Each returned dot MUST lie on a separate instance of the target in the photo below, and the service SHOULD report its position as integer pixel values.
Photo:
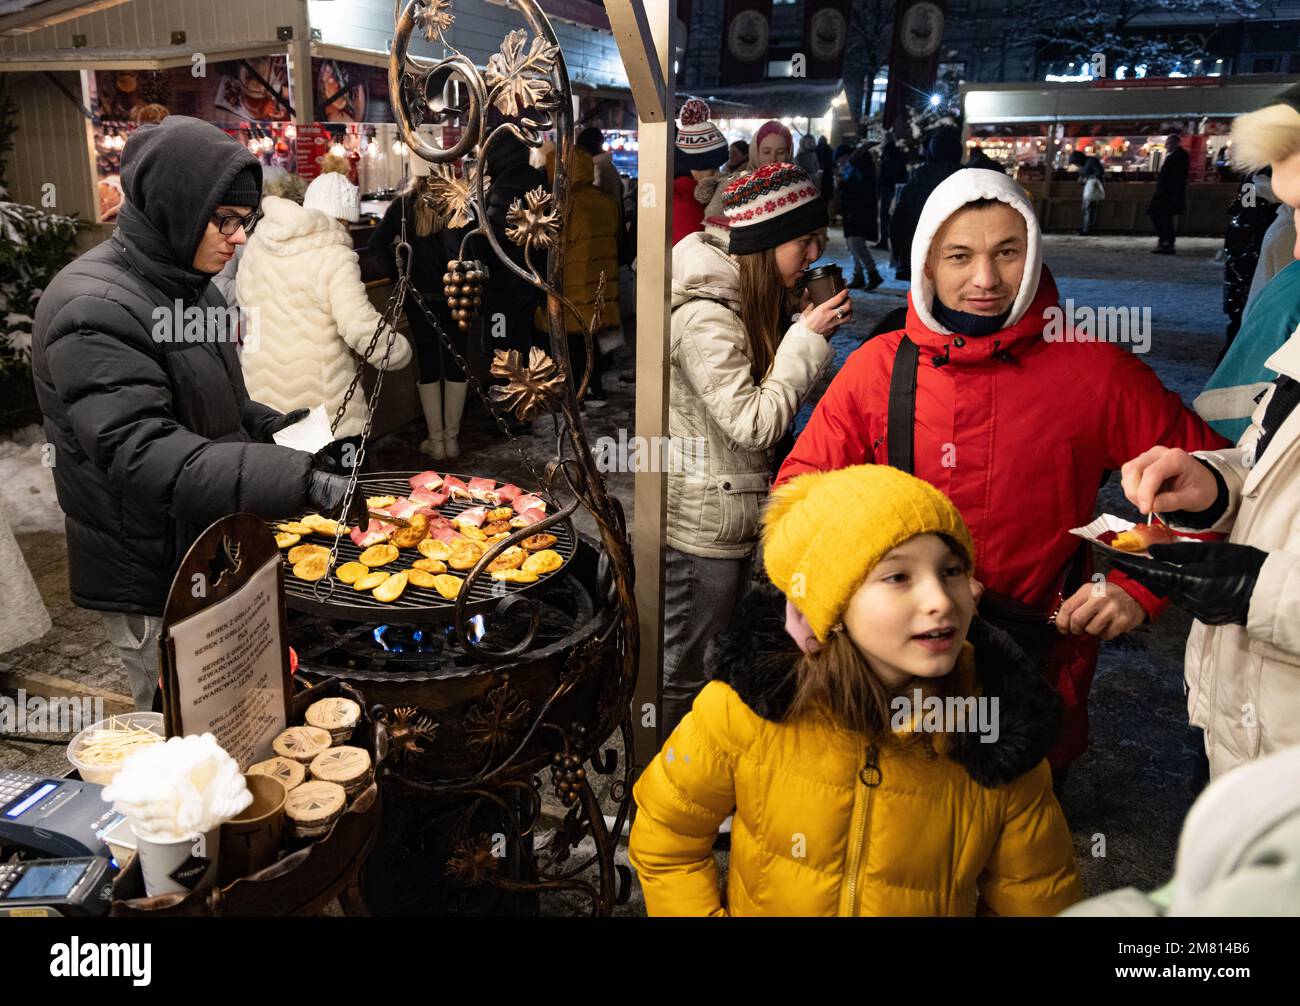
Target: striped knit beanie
(773, 205)
(700, 144)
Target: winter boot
(874, 280)
(431, 404)
(455, 408)
(858, 282)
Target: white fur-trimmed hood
(289, 229)
(954, 192)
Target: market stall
(1032, 129)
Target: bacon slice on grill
(429, 480)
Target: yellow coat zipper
(870, 777)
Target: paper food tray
(1109, 522)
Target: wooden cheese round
(347, 766)
(313, 807)
(302, 743)
(289, 772)
(338, 716)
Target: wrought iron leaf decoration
(530, 390)
(519, 79)
(532, 220)
(472, 861)
(408, 732)
(493, 723)
(435, 18)
(453, 197)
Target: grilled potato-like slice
(286, 540)
(429, 566)
(378, 555)
(463, 558)
(500, 513)
(391, 589)
(410, 537)
(421, 577)
(295, 527)
(494, 527)
(511, 558)
(431, 548)
(515, 576)
(545, 561)
(371, 580)
(447, 585)
(376, 502)
(300, 552)
(471, 532)
(537, 542)
(321, 525)
(313, 567)
(351, 572)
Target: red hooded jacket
(1018, 441)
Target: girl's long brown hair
(764, 305)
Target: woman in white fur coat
(307, 310)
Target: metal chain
(478, 388)
(392, 311)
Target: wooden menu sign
(225, 644)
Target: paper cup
(171, 867)
(252, 839)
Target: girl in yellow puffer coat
(895, 769)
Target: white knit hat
(334, 196)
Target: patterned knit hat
(700, 144)
(771, 206)
(804, 532)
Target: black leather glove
(325, 495)
(1211, 579)
(287, 420)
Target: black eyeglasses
(229, 223)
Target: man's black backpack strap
(902, 405)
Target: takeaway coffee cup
(823, 282)
(183, 866)
(251, 840)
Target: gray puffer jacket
(722, 424)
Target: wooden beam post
(643, 29)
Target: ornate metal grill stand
(487, 817)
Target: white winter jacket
(1244, 681)
(300, 288)
(722, 425)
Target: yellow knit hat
(825, 531)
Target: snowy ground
(1130, 788)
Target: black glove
(1211, 579)
(325, 494)
(287, 420)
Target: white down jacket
(1244, 681)
(300, 285)
(722, 425)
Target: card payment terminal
(54, 817)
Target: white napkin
(310, 434)
(173, 791)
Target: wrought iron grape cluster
(463, 285)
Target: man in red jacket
(1015, 417)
